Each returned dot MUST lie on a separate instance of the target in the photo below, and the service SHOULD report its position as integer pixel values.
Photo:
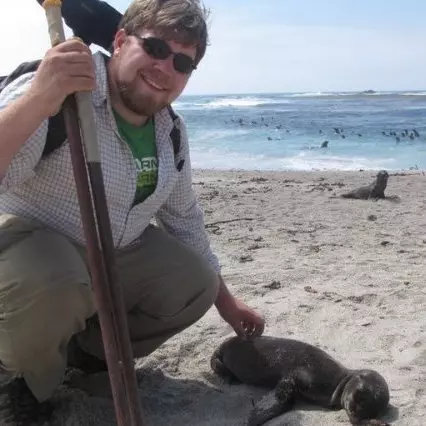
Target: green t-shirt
(141, 140)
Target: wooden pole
(85, 156)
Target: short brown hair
(184, 21)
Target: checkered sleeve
(22, 166)
(181, 215)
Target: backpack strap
(21, 69)
(56, 132)
(175, 136)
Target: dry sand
(346, 275)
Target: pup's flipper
(274, 403)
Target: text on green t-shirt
(141, 140)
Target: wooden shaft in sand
(85, 156)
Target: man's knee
(160, 317)
(202, 291)
(181, 296)
(210, 285)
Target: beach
(345, 275)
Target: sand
(346, 275)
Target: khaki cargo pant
(45, 298)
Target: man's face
(146, 84)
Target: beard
(139, 103)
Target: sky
(273, 46)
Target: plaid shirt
(44, 188)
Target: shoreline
(326, 171)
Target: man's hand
(66, 68)
(245, 321)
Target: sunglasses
(159, 49)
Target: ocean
(367, 130)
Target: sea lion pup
(299, 371)
(375, 190)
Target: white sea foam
(219, 160)
(414, 94)
(243, 102)
(311, 94)
(228, 102)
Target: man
(168, 273)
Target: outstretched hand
(245, 321)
